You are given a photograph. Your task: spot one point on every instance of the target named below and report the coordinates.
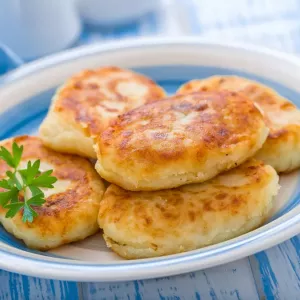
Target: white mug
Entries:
(33, 28)
(114, 12)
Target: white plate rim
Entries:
(267, 236)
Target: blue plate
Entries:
(25, 96)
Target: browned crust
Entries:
(83, 98)
(222, 120)
(145, 224)
(58, 213)
(265, 97)
(170, 206)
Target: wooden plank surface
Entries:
(277, 271)
(19, 287)
(272, 274)
(232, 281)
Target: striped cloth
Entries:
(271, 23)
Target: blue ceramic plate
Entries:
(25, 96)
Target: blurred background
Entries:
(35, 28)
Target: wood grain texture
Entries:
(277, 271)
(232, 281)
(276, 276)
(18, 287)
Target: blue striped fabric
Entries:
(271, 23)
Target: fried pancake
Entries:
(148, 224)
(71, 208)
(282, 148)
(88, 101)
(180, 140)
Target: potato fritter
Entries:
(282, 147)
(71, 208)
(179, 140)
(87, 103)
(148, 224)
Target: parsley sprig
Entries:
(23, 182)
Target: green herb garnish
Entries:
(23, 182)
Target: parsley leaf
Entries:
(28, 214)
(36, 200)
(44, 180)
(13, 209)
(17, 154)
(13, 159)
(35, 190)
(13, 180)
(20, 183)
(15, 198)
(5, 155)
(4, 184)
(5, 197)
(30, 172)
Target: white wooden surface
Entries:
(216, 283)
(272, 274)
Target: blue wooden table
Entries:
(272, 274)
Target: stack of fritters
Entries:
(186, 171)
(281, 149)
(81, 109)
(86, 104)
(154, 151)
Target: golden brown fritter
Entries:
(282, 148)
(148, 224)
(88, 101)
(180, 140)
(71, 208)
